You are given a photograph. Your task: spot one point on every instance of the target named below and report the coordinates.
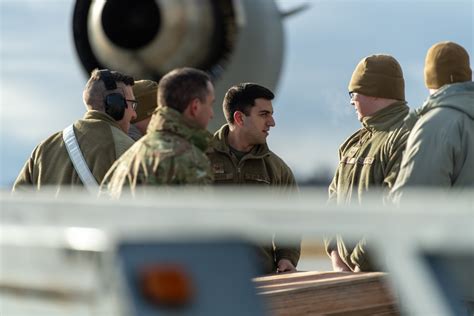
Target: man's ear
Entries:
(194, 106)
(238, 118)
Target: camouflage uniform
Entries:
(370, 158)
(171, 153)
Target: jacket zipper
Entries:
(238, 166)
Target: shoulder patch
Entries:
(218, 167)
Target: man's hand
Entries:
(285, 265)
(337, 264)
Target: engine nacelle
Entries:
(233, 40)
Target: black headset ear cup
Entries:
(115, 105)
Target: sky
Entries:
(41, 79)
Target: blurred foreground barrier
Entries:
(62, 252)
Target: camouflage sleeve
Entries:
(111, 185)
(142, 167)
(189, 168)
(361, 258)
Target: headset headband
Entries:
(106, 77)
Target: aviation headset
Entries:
(115, 103)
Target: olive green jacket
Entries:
(171, 153)
(440, 149)
(368, 160)
(259, 167)
(101, 141)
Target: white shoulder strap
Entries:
(78, 160)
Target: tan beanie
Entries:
(379, 76)
(446, 63)
(145, 93)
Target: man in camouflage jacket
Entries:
(172, 151)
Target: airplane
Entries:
(148, 38)
(321, 47)
(234, 51)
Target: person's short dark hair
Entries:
(242, 97)
(180, 86)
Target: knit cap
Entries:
(446, 63)
(145, 92)
(379, 76)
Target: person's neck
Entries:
(190, 121)
(124, 125)
(237, 141)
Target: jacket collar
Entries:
(220, 143)
(464, 92)
(463, 101)
(101, 116)
(166, 119)
(385, 118)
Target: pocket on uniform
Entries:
(360, 160)
(256, 179)
(366, 160)
(348, 160)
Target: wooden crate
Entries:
(327, 293)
